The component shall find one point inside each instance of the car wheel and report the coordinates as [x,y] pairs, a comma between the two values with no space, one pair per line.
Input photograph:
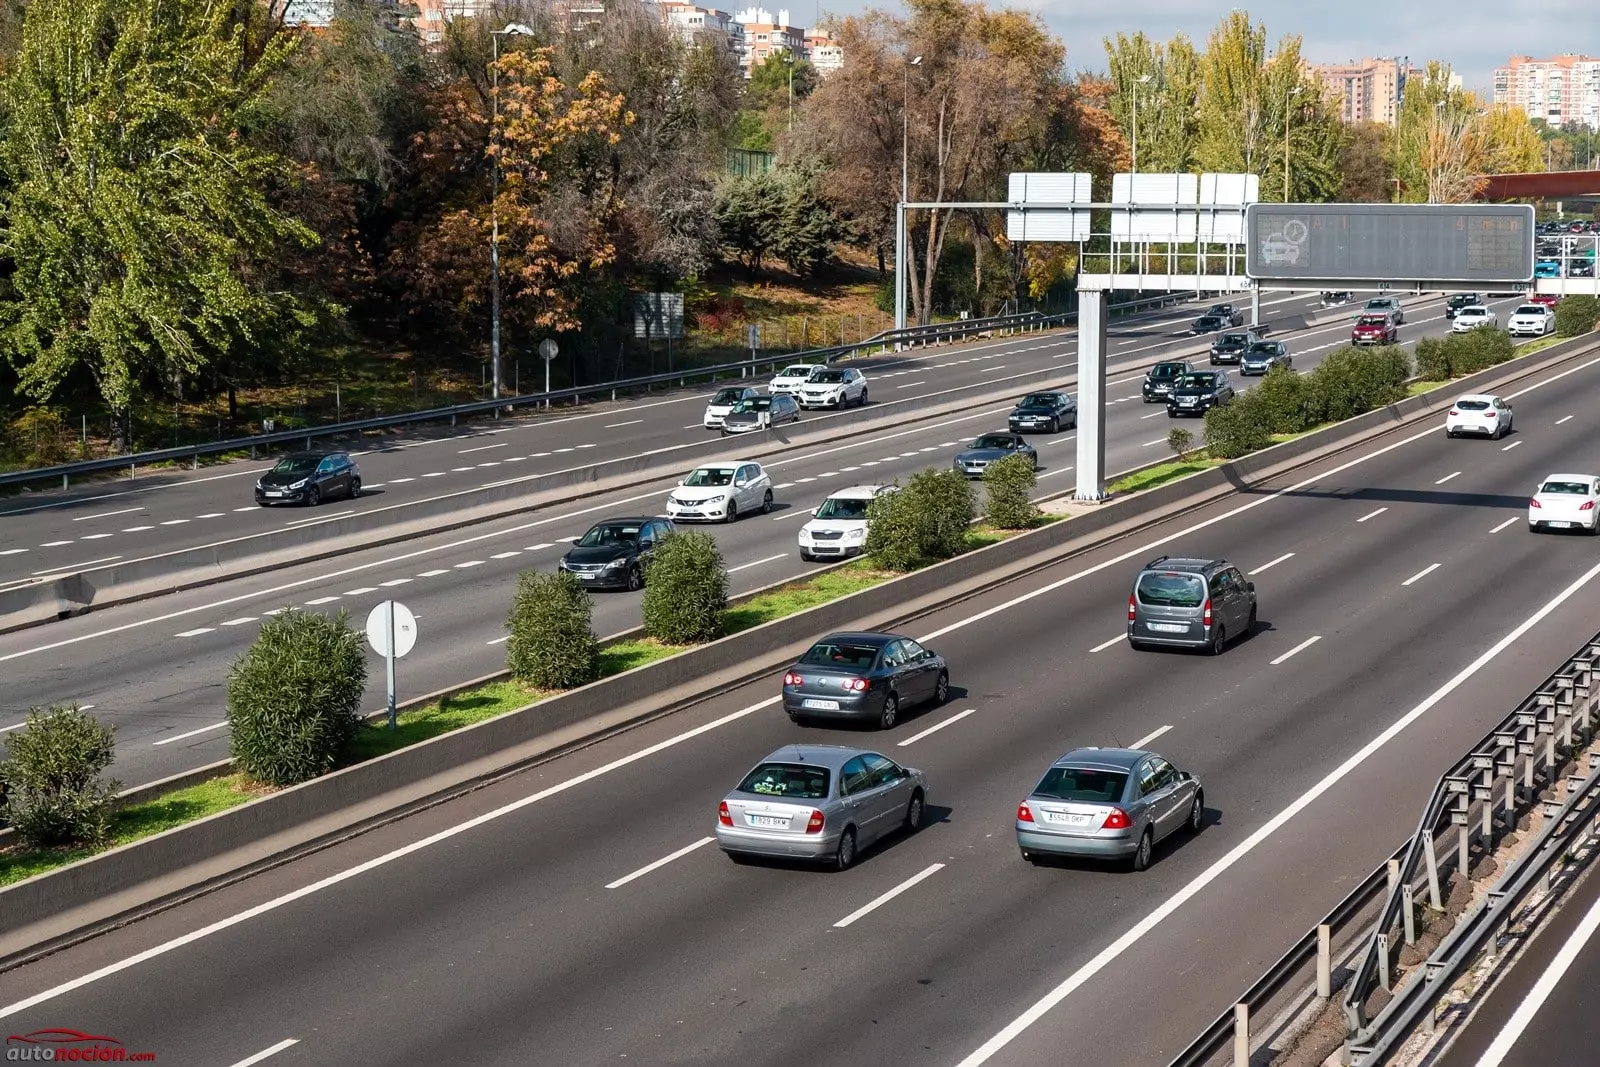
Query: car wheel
[635,579]
[355,488]
[1147,845]
[1055,425]
[733,512]
[914,813]
[890,713]
[313,497]
[863,398]
[845,855]
[724,433]
[941,689]
[1197,813]
[1219,640]
[766,502]
[1449,433]
[806,557]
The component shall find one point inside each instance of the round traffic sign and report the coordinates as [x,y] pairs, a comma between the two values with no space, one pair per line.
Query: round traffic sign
[405,629]
[548,349]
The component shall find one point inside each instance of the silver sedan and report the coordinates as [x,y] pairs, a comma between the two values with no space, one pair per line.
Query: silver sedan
[820,803]
[1108,803]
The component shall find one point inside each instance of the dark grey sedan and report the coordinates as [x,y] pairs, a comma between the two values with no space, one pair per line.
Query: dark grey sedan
[1108,803]
[992,448]
[760,412]
[1262,356]
[864,676]
[309,478]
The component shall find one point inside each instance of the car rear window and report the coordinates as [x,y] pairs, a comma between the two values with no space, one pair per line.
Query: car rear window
[801,781]
[1170,589]
[1082,783]
[1472,405]
[1575,488]
[840,654]
[754,403]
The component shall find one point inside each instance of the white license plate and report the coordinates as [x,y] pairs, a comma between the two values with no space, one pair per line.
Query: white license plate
[1066,818]
[1562,525]
[820,705]
[770,822]
[1169,627]
[274,492]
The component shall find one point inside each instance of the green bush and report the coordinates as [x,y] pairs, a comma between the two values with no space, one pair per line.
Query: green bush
[552,643]
[294,697]
[1433,359]
[53,792]
[1577,315]
[1009,484]
[1479,350]
[1287,401]
[926,520]
[1352,381]
[1181,441]
[686,590]
[1238,428]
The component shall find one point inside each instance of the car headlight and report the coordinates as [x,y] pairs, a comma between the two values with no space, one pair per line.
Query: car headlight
[617,563]
[805,534]
[858,533]
[301,484]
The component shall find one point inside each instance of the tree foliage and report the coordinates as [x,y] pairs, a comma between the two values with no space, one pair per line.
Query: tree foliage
[1445,138]
[1008,486]
[52,790]
[1577,315]
[925,521]
[686,590]
[551,642]
[1364,171]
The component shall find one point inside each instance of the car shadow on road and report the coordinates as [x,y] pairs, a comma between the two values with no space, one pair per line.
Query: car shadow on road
[1170,845]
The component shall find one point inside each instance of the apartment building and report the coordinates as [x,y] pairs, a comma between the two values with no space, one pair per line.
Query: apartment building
[765,35]
[1564,90]
[825,54]
[694,23]
[1365,91]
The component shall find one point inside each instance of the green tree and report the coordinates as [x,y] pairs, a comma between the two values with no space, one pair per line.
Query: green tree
[1577,315]
[1364,171]
[1009,487]
[140,226]
[53,793]
[924,521]
[750,217]
[686,590]
[1236,429]
[552,643]
[1165,80]
[808,227]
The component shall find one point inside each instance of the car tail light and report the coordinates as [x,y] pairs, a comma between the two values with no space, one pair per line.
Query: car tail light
[1454,412]
[1491,414]
[1534,503]
[1587,505]
[1208,611]
[722,814]
[791,678]
[1117,820]
[814,824]
[1131,608]
[1023,813]
[857,685]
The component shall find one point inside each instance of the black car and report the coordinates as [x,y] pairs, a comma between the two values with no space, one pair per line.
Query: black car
[615,553]
[1228,347]
[1047,412]
[1230,315]
[1199,393]
[867,676]
[1335,297]
[1207,324]
[309,478]
[1262,356]
[1159,382]
[1581,268]
[1458,301]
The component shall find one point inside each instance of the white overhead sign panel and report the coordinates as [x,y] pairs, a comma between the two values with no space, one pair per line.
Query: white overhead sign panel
[1049,223]
[1166,224]
[1229,190]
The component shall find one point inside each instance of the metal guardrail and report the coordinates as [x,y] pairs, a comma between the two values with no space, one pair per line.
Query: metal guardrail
[911,336]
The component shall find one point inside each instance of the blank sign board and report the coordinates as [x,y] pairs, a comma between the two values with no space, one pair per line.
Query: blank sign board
[1048,223]
[1167,224]
[1390,242]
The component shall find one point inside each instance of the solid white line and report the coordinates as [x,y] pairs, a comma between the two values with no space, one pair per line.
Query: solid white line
[1147,738]
[1447,477]
[867,909]
[107,514]
[1512,1032]
[11,551]
[196,632]
[482,448]
[321,600]
[375,863]
[1372,514]
[662,862]
[615,425]
[266,1052]
[908,385]
[67,568]
[192,733]
[1274,563]
[1421,574]
[957,717]
[757,563]
[1512,445]
[1508,522]
[1141,929]
[1117,640]
[308,518]
[1301,647]
[1560,421]
[1152,415]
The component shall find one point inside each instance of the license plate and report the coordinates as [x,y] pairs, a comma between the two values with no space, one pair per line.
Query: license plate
[1187,403]
[770,822]
[274,492]
[1066,818]
[1168,627]
[1562,525]
[820,705]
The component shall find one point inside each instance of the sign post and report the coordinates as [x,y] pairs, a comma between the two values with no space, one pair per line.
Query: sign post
[392,633]
[547,352]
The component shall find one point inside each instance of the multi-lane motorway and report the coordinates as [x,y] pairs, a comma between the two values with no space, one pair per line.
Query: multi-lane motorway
[577,913]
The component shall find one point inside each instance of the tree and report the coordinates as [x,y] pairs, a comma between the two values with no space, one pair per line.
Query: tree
[1446,138]
[1167,125]
[1009,486]
[686,590]
[808,226]
[52,791]
[552,643]
[141,229]
[925,521]
[1364,165]
[749,215]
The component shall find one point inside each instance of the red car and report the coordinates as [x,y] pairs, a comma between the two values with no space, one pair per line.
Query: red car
[1375,330]
[1549,300]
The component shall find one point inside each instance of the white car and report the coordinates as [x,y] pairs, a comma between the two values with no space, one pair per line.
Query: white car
[1566,502]
[840,526]
[1533,320]
[721,492]
[834,387]
[717,407]
[1473,317]
[791,378]
[1478,413]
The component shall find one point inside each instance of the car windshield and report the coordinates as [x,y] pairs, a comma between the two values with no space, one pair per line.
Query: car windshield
[1472,312]
[799,370]
[1566,488]
[1472,405]
[1210,320]
[296,464]
[752,403]
[1198,381]
[610,533]
[710,476]
[1168,370]
[1171,590]
[1372,320]
[843,508]
[802,781]
[1378,302]
[832,654]
[1038,400]
[1233,339]
[993,441]
[1530,309]
[727,396]
[827,376]
[1082,783]
[1220,309]
[1263,348]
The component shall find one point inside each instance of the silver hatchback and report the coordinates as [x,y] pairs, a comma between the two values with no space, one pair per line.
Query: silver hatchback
[820,803]
[1108,804]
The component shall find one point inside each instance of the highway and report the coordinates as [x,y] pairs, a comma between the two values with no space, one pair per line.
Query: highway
[160,665]
[582,917]
[165,511]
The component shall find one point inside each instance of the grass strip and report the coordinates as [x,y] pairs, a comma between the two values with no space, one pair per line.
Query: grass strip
[1161,474]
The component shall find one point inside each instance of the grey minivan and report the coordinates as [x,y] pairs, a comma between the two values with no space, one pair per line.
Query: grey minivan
[1190,603]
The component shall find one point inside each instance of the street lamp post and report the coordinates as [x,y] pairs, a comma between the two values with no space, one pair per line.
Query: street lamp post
[1287,98]
[900,241]
[1143,79]
[515,29]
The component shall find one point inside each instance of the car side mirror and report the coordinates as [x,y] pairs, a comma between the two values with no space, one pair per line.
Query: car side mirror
[816,509]
[1250,587]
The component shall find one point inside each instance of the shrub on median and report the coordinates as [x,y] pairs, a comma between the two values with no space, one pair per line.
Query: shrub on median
[1288,401]
[294,697]
[52,788]
[686,590]
[1009,485]
[926,521]
[1352,381]
[1439,359]
[552,643]
[1577,315]
[1237,428]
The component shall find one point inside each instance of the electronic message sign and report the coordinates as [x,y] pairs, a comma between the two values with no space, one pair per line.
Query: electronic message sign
[1462,243]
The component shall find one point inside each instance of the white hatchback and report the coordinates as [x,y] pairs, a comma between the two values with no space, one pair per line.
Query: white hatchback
[1566,502]
[834,387]
[718,406]
[791,378]
[1474,317]
[1478,414]
[721,492]
[1532,320]
[840,526]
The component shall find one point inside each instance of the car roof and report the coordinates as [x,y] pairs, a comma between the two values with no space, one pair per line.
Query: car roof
[859,637]
[1569,477]
[858,492]
[721,464]
[1476,396]
[1181,563]
[831,757]
[796,366]
[1117,759]
[617,520]
[311,455]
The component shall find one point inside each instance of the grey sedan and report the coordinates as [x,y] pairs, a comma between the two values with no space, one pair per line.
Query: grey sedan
[864,676]
[1110,804]
[992,448]
[821,803]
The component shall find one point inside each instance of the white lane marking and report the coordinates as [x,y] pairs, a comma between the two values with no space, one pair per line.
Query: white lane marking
[1512,1032]
[957,717]
[1152,415]
[11,551]
[68,541]
[847,470]
[870,463]
[538,455]
[807,480]
[400,481]
[248,1061]
[1372,514]
[174,522]
[1508,522]
[1142,929]
[568,540]
[560,450]
[833,474]
[434,474]
[68,568]
[784,485]
[481,448]
[801,513]
[1149,737]
[500,640]
[1102,646]
[196,632]
[1158,441]
[617,425]
[880,901]
[14,726]
[1560,421]
[1512,445]
[757,563]
[469,563]
[363,591]
[107,514]
[141,529]
[240,621]
[434,573]
[909,385]
[221,514]
[458,470]
[1423,573]
[94,537]
[449,832]
[1274,563]
[540,547]
[275,611]
[321,600]
[1301,647]
[490,463]
[662,862]
[316,518]
[255,508]
[392,582]
[1447,477]
[589,445]
[506,555]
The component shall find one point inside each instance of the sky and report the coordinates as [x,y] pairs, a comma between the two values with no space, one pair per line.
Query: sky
[1473,36]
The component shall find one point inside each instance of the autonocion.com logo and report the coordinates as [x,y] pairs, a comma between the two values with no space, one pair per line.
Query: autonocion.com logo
[70,1046]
